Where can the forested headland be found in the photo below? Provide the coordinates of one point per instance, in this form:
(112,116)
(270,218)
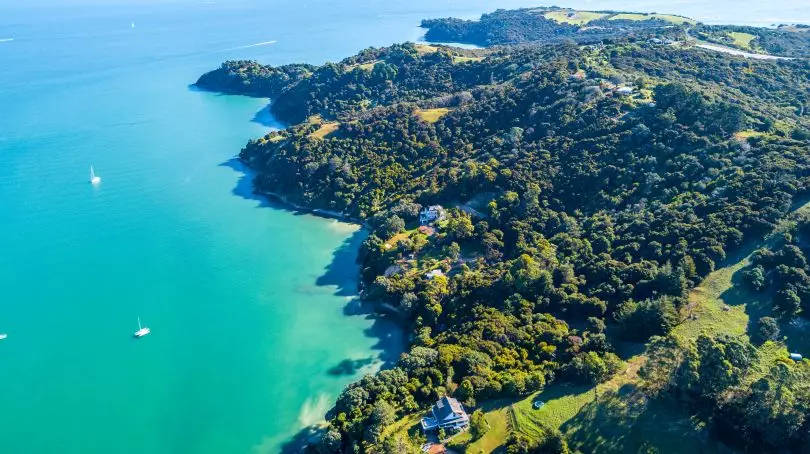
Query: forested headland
(590,186)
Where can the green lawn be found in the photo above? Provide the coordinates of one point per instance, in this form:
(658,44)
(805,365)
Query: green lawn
(748,134)
(665,17)
(407,426)
(460,59)
(364,66)
(432,115)
(573,17)
(742,40)
(425,48)
(497,414)
(325,129)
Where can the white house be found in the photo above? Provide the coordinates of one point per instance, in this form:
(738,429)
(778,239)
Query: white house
(431,213)
(446,414)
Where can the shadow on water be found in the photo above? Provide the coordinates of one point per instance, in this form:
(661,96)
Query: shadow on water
(350,366)
(299,441)
(341,275)
(265,118)
(262,117)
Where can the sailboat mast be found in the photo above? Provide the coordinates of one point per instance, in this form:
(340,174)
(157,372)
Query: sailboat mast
(92,174)
(139,323)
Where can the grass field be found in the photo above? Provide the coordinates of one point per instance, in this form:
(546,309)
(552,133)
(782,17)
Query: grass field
(425,48)
(399,237)
(432,115)
(665,17)
(748,134)
(459,59)
(364,66)
(325,130)
(498,418)
(573,17)
(742,40)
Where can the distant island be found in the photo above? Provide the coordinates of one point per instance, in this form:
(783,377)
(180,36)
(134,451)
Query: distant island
(596,232)
(505,27)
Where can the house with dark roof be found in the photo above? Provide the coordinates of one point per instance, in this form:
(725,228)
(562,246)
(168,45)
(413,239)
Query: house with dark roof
(446,414)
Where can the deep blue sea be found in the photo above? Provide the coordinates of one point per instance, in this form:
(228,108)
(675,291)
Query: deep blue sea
(250,305)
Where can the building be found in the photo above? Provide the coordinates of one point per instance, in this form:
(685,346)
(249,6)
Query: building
(431,214)
(624,91)
(447,414)
(795,357)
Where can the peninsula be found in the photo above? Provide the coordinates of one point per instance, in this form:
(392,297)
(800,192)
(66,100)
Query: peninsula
(593,229)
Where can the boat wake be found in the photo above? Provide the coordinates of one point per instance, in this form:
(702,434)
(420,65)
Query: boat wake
(5,40)
(265,43)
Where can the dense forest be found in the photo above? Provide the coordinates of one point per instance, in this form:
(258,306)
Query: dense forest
(587,188)
(546,25)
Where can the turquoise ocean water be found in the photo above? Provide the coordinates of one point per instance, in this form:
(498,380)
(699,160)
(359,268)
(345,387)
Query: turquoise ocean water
(250,305)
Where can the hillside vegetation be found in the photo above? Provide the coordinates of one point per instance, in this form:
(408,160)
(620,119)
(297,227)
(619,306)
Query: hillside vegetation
(580,217)
(547,25)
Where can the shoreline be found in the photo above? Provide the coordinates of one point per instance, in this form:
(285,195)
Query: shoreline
(377,308)
(281,199)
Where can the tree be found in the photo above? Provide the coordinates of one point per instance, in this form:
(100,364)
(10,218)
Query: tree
(478,424)
(465,393)
(331,441)
(723,362)
(381,417)
(453,251)
(392,225)
(460,225)
(665,358)
(639,321)
(768,329)
(787,302)
(547,441)
(399,444)
(754,278)
(590,367)
(596,325)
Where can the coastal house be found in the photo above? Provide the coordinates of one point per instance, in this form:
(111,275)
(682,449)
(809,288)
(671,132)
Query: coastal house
(795,356)
(431,214)
(447,414)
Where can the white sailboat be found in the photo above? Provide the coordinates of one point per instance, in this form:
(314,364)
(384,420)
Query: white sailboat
(133,24)
(142,331)
(3,336)
(94,179)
